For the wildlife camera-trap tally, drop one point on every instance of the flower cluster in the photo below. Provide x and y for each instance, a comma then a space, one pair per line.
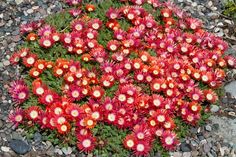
156, 69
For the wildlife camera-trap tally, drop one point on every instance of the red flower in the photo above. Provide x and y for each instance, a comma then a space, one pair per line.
19, 91
46, 41
63, 128
29, 60
33, 112
169, 140
16, 116
86, 143
142, 148
49, 97
130, 142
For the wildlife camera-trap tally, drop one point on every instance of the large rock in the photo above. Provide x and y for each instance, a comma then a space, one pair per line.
19, 147
231, 88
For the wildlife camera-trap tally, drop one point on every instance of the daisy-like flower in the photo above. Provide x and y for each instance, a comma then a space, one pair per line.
86, 143
113, 45
193, 23
230, 60
75, 93
15, 58
166, 12
157, 100
49, 97
30, 59
77, 25
58, 71
130, 142
75, 12
210, 96
24, 52
90, 7
31, 37
33, 112
56, 36
95, 24
112, 13
119, 34
97, 92
35, 72
63, 128
19, 91
26, 28
142, 148
16, 116
46, 30
89, 122
169, 140
46, 42
138, 2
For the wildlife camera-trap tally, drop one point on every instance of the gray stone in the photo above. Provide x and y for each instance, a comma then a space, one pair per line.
67, 151
19, 146
208, 127
214, 108
37, 137
187, 154
1, 124
177, 154
230, 88
185, 147
206, 148
209, 154
58, 151
18, 1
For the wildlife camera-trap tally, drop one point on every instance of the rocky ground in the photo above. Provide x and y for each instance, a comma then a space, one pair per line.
216, 139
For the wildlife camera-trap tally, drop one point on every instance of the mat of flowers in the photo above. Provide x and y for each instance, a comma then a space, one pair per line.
136, 65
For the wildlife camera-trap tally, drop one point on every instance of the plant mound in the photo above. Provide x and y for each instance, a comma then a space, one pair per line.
117, 76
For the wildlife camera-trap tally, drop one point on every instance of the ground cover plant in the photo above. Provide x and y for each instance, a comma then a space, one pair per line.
124, 77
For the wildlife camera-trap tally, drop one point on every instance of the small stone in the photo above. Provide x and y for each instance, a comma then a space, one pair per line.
30, 11
209, 154
19, 146
37, 137
177, 154
230, 88
185, 147
1, 124
213, 15
194, 144
194, 4
220, 24
206, 148
18, 1
5, 149
6, 62
186, 154
208, 128
58, 151
67, 151
232, 114
210, 3
214, 108
195, 153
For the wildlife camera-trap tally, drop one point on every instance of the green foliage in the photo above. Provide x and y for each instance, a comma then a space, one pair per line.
230, 8
60, 21
112, 138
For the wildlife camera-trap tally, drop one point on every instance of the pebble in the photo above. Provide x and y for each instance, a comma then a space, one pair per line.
214, 108
206, 148
30, 11
177, 154
5, 149
186, 154
37, 137
58, 151
67, 151
6, 62
19, 146
185, 147
1, 124
208, 127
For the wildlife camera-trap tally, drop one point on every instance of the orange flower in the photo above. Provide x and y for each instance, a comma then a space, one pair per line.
89, 122
31, 37
90, 7
86, 57
34, 72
